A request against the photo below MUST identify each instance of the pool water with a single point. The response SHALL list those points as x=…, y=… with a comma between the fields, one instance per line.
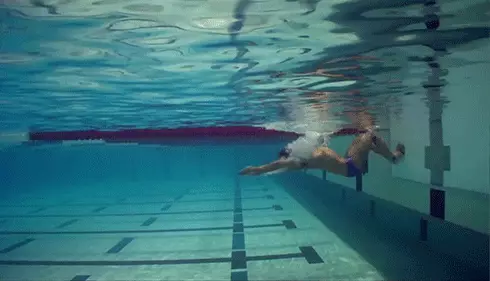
x=161, y=222
x=124, y=125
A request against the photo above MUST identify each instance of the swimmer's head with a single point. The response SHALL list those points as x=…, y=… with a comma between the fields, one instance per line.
x=285, y=152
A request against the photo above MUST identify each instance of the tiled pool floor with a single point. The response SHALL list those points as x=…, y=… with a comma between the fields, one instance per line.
x=248, y=230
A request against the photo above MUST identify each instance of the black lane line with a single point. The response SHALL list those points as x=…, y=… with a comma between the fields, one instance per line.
x=133, y=214
x=227, y=191
x=310, y=254
x=38, y=210
x=179, y=197
x=289, y=224
x=166, y=207
x=16, y=246
x=149, y=221
x=275, y=257
x=80, y=278
x=67, y=223
x=226, y=199
x=120, y=245
x=306, y=252
x=98, y=210
x=238, y=254
x=136, y=231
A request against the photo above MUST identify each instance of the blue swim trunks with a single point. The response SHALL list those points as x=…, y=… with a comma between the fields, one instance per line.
x=352, y=170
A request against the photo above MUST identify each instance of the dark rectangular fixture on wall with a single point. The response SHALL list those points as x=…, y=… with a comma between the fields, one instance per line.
x=437, y=203
x=359, y=183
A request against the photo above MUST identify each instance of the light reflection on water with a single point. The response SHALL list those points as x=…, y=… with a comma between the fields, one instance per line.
x=294, y=65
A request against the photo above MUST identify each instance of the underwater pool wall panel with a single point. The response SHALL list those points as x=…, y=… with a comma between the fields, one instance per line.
x=468, y=246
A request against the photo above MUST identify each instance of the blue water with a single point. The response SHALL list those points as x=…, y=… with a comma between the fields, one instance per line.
x=106, y=212
x=73, y=65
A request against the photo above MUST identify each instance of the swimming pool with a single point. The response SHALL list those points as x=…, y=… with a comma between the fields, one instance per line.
x=125, y=212
x=124, y=124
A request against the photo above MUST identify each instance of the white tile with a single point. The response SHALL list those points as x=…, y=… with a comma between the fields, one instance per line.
x=299, y=269
x=63, y=247
x=36, y=273
x=197, y=272
x=201, y=206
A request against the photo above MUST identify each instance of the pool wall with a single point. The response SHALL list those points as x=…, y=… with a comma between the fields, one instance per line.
x=56, y=167
x=439, y=194
x=446, y=131
x=455, y=204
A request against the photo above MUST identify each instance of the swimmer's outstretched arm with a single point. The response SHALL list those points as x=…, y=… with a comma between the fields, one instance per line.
x=290, y=164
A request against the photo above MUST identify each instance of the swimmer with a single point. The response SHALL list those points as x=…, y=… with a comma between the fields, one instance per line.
x=324, y=158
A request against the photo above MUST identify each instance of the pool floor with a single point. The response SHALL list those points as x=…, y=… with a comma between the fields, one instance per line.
x=242, y=230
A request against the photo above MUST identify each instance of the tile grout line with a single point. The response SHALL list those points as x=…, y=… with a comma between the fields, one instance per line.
x=131, y=214
x=306, y=252
x=67, y=223
x=41, y=207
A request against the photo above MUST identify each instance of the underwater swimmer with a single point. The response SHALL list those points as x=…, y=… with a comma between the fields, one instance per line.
x=319, y=156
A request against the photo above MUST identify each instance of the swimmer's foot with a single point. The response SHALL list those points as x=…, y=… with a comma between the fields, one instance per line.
x=399, y=153
x=373, y=128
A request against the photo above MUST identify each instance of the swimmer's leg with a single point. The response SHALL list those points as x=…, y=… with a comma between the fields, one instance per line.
x=380, y=147
x=360, y=147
